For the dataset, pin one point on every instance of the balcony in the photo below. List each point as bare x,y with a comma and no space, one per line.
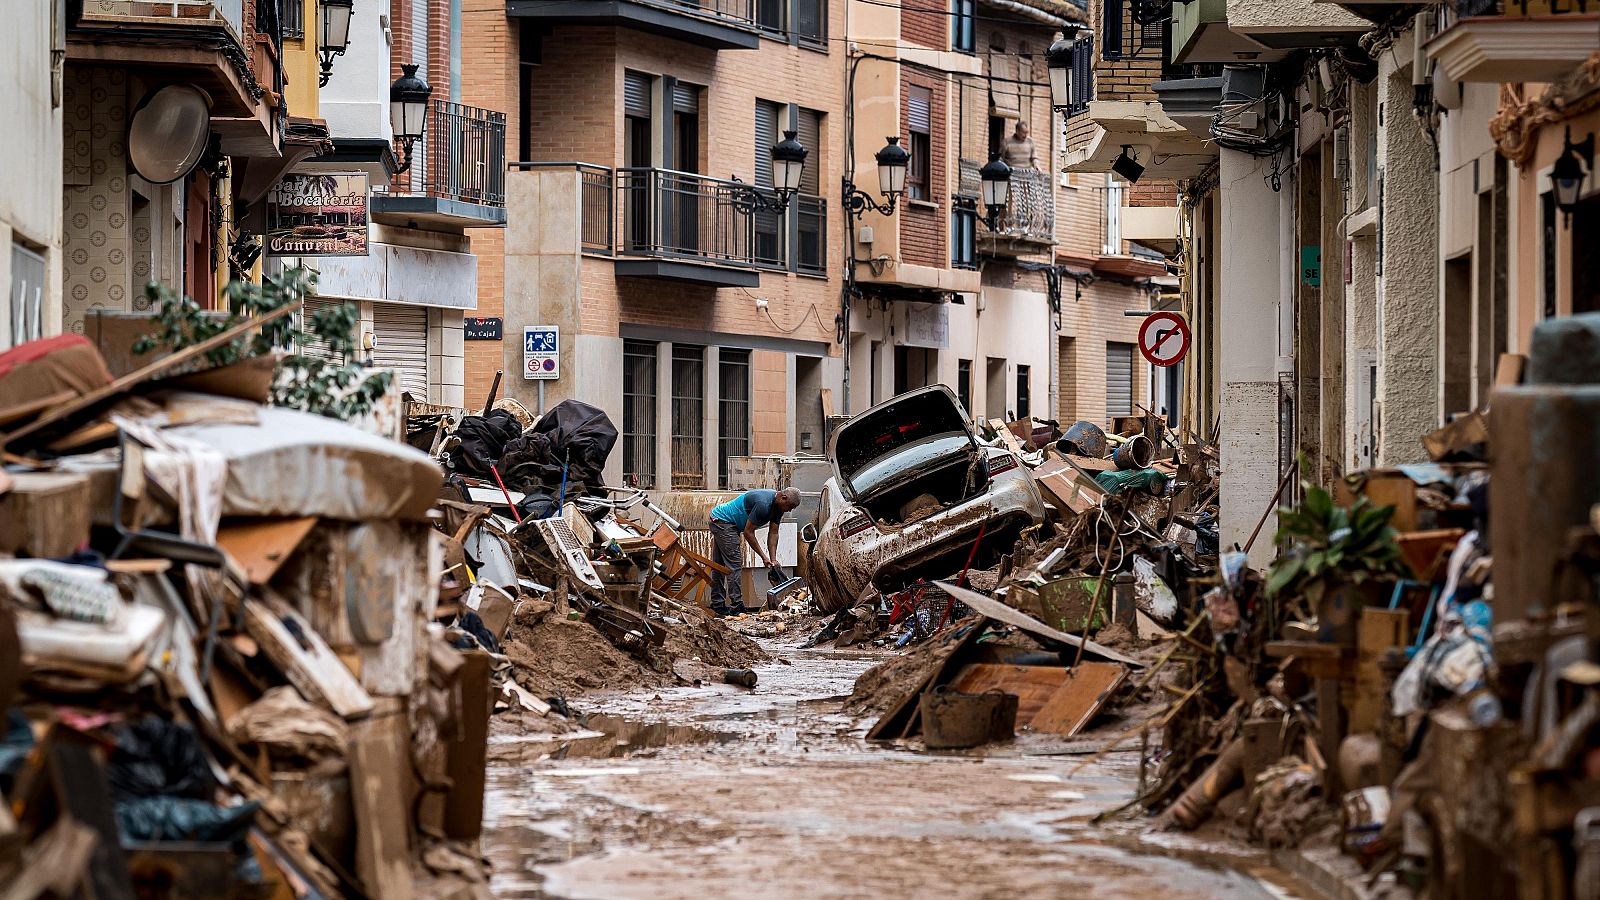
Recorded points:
201,42
1028,224
714,24
683,227
458,173
1485,41
1167,149
1242,31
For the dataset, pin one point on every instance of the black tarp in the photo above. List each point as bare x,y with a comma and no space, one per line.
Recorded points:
483,440
571,433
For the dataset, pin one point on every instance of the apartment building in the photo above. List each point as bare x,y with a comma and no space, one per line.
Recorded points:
172,122
945,289
644,225
415,275
30,171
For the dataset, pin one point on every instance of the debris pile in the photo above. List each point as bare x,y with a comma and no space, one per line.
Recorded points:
220,668
1060,623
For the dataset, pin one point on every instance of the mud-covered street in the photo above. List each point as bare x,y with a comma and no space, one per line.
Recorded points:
775,793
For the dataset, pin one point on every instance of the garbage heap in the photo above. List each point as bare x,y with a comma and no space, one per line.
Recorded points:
1067,624
1413,680
583,586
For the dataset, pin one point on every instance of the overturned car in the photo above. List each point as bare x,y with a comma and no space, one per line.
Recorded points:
912,491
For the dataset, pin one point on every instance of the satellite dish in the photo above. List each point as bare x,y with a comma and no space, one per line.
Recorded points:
169,133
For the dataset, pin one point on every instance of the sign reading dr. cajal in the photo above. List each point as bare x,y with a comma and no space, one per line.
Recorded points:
318,215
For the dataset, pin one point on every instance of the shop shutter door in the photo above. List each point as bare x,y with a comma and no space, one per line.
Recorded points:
316,347
1119,379
401,335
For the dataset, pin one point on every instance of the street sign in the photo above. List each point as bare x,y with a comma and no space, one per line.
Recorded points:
475,328
1164,338
541,352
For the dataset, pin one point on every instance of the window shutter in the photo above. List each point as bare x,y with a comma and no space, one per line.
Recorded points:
685,98
1082,73
400,334
919,109
766,135
1003,99
636,94
1119,380
810,127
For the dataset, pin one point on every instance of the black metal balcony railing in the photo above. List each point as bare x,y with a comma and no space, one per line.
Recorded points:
1030,213
662,213
464,155
598,216
666,213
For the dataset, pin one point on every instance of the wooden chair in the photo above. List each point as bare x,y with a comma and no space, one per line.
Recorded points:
685,574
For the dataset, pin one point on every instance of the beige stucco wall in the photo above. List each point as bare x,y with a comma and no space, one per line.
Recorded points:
30,157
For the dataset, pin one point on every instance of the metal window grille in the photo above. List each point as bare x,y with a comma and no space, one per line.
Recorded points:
639,413
733,408
688,417
291,14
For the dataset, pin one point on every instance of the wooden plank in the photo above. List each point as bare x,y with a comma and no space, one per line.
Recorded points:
1033,685
45,514
145,373
378,761
902,715
1079,698
1000,612
28,408
260,546
308,662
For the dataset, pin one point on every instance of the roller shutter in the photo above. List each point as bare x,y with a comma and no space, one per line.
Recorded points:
636,94
401,336
1119,380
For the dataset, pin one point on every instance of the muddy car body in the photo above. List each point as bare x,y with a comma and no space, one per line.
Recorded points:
911,493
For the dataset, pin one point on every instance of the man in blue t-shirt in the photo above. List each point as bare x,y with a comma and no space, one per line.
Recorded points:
741,516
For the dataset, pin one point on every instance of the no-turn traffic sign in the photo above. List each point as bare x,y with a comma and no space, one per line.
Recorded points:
1164,338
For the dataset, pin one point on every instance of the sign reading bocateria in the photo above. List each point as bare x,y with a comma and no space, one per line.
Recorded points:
318,215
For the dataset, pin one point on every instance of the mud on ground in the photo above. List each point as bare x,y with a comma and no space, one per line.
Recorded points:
555,657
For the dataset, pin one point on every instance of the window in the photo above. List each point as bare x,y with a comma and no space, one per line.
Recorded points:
919,115
291,15
997,134
733,407
962,34
528,58
639,413
811,210
1113,241
964,384
637,89
1024,408
27,294
769,230
964,235
811,23
688,417
770,15
1119,379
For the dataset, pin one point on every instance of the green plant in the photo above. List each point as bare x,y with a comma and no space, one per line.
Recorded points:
337,389
1322,545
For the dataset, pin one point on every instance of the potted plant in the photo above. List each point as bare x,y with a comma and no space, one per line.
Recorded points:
1333,560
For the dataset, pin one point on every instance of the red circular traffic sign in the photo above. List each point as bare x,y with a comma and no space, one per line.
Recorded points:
1164,338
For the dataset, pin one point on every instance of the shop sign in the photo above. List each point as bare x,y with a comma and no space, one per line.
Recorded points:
318,215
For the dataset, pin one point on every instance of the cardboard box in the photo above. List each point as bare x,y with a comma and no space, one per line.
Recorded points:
45,514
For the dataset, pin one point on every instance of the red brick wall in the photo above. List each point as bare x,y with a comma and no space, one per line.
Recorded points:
923,225
924,22
1152,193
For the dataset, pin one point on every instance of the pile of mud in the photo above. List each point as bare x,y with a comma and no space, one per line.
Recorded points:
886,683
555,657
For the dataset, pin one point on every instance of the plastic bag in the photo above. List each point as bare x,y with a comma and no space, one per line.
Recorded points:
158,758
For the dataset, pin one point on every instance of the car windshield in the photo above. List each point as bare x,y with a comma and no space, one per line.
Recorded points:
908,461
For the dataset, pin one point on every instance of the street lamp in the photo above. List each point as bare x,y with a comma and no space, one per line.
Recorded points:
333,35
408,110
788,163
1058,59
1567,175
995,178
893,161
